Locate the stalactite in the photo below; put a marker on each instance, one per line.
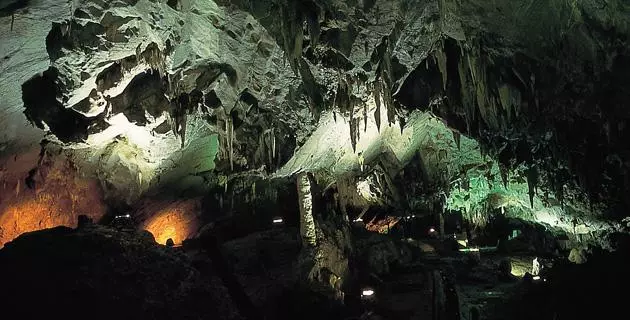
(334, 101)
(402, 122)
(532, 181)
(273, 143)
(441, 61)
(377, 100)
(457, 137)
(269, 148)
(504, 175)
(230, 132)
(391, 111)
(314, 28)
(183, 129)
(365, 118)
(357, 127)
(353, 137)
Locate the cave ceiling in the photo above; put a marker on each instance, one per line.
(146, 93)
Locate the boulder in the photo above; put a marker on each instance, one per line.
(577, 256)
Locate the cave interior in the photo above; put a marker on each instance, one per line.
(314, 159)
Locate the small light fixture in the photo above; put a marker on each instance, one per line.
(358, 220)
(367, 293)
(277, 220)
(432, 230)
(536, 278)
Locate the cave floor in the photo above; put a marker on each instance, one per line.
(458, 285)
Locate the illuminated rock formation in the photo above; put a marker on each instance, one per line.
(177, 220)
(53, 193)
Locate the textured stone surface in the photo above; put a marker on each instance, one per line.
(23, 55)
(38, 193)
(176, 220)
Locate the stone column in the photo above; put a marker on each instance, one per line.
(307, 221)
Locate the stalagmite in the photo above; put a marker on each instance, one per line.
(269, 147)
(353, 130)
(504, 175)
(307, 221)
(532, 178)
(230, 130)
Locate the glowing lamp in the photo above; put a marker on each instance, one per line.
(358, 220)
(277, 220)
(367, 293)
(432, 230)
(536, 278)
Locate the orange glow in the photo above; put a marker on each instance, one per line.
(176, 220)
(382, 225)
(57, 199)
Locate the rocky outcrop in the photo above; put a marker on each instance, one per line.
(157, 65)
(105, 274)
(41, 190)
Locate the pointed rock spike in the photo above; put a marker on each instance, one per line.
(457, 138)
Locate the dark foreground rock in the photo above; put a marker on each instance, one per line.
(99, 273)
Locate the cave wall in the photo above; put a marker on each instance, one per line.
(176, 219)
(39, 192)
